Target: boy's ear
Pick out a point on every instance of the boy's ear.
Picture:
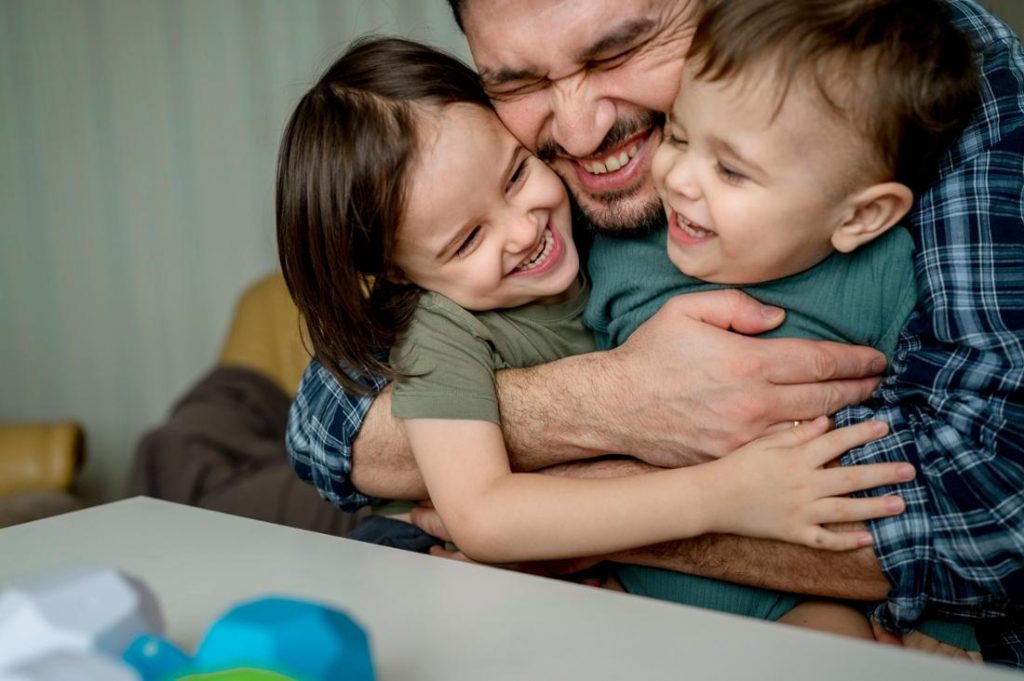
(872, 212)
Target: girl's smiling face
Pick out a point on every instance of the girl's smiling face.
(486, 223)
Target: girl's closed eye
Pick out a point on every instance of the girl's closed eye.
(519, 174)
(469, 243)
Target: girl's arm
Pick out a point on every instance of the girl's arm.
(775, 487)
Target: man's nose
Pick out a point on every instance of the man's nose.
(580, 118)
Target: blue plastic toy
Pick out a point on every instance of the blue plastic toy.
(102, 625)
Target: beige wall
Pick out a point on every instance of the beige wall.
(137, 148)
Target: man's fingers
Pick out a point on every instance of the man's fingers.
(806, 401)
(429, 520)
(727, 309)
(442, 552)
(790, 361)
(919, 641)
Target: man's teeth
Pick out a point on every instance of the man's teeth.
(611, 163)
(692, 229)
(539, 255)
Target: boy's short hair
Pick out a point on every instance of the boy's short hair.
(897, 70)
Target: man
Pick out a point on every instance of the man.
(581, 82)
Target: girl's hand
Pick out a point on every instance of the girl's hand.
(778, 486)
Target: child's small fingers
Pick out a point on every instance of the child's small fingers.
(798, 432)
(840, 510)
(837, 442)
(820, 538)
(842, 480)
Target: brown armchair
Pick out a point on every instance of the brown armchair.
(223, 445)
(38, 466)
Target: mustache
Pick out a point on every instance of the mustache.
(548, 149)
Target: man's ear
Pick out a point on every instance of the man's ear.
(872, 212)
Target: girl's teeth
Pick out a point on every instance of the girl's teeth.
(541, 254)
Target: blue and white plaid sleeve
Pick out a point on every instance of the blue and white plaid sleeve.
(955, 400)
(322, 425)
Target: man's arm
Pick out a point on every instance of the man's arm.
(852, 575)
(682, 390)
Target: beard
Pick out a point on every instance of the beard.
(617, 222)
(617, 213)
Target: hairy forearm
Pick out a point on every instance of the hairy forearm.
(552, 414)
(562, 411)
(851, 575)
(382, 462)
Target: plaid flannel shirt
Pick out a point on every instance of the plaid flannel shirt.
(955, 400)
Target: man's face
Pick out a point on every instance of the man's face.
(583, 84)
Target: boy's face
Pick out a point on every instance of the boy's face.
(486, 223)
(753, 192)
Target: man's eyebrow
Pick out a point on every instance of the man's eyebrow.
(504, 76)
(623, 36)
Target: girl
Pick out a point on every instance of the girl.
(410, 218)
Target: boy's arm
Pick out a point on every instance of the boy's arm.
(680, 391)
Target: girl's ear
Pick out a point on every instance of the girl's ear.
(872, 212)
(395, 276)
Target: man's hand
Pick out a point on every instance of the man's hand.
(693, 390)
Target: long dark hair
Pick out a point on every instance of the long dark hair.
(341, 186)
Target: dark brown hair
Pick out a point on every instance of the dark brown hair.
(341, 185)
(898, 70)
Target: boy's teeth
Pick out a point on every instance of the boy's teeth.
(611, 163)
(692, 229)
(539, 255)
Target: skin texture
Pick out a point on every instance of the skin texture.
(684, 388)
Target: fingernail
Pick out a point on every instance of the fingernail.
(771, 312)
(906, 472)
(878, 365)
(894, 505)
(865, 539)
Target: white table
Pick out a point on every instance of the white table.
(438, 619)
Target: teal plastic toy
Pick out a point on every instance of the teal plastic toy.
(285, 637)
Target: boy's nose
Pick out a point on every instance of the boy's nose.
(682, 179)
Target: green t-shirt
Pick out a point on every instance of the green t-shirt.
(451, 354)
(862, 297)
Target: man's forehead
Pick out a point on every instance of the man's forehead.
(507, 37)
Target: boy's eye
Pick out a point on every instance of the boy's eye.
(676, 141)
(730, 175)
(469, 242)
